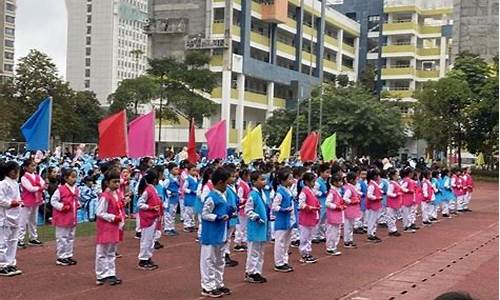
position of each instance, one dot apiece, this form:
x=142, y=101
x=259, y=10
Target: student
x=214, y=217
x=202, y=192
x=240, y=237
x=296, y=188
x=447, y=193
x=189, y=188
x=233, y=202
x=283, y=208
x=408, y=197
x=172, y=186
x=373, y=204
x=417, y=178
x=335, y=207
x=394, y=201
x=150, y=208
x=160, y=189
x=32, y=187
x=361, y=187
x=110, y=220
x=352, y=212
x=10, y=212
x=321, y=188
x=65, y=203
x=438, y=197
x=309, y=208
x=468, y=187
x=88, y=197
x=457, y=186
x=428, y=198
x=256, y=210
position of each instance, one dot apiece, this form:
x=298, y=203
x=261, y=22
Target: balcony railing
x=286, y=48
x=398, y=71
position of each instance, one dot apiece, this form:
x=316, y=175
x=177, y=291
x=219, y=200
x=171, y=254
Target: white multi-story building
x=106, y=44
x=8, y=13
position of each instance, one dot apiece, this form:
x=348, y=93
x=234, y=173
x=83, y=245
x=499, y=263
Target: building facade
x=7, y=32
x=106, y=44
x=475, y=27
x=267, y=54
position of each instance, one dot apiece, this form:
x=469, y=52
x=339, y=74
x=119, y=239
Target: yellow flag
x=286, y=146
x=251, y=145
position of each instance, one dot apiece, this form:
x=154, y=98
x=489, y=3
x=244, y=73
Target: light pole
x=162, y=86
x=297, y=118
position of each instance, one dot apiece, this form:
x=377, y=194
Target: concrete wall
x=475, y=27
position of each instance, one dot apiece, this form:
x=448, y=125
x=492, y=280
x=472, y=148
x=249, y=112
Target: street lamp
x=162, y=86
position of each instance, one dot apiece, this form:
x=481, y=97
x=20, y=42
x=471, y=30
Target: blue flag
x=36, y=130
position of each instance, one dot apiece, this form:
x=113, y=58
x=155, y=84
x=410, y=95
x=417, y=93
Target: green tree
x=367, y=78
x=133, y=92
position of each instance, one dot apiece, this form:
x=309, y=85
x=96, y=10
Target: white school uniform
x=9, y=222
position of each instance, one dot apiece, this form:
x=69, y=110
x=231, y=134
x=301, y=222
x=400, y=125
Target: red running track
x=372, y=271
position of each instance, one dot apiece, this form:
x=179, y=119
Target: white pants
x=466, y=201
x=241, y=230
x=199, y=225
x=170, y=217
x=227, y=245
x=406, y=213
x=371, y=220
x=413, y=214
x=332, y=236
x=348, y=229
x=382, y=217
x=391, y=217
x=65, y=241
x=306, y=236
x=320, y=229
x=427, y=209
x=460, y=202
x=434, y=212
x=445, y=208
x=255, y=258
x=8, y=245
x=137, y=223
x=29, y=215
x=188, y=217
x=281, y=244
x=212, y=267
x=147, y=242
x=157, y=235
x=295, y=234
x=105, y=256
x=452, y=205
x=181, y=207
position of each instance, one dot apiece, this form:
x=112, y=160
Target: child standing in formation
x=32, y=187
x=408, y=189
x=233, y=202
x=309, y=208
x=190, y=187
x=428, y=198
x=110, y=220
x=10, y=211
x=214, y=215
x=352, y=197
x=172, y=186
x=468, y=187
x=458, y=189
x=394, y=201
x=373, y=204
x=65, y=202
x=241, y=228
x=321, y=188
x=447, y=193
x=335, y=207
x=283, y=208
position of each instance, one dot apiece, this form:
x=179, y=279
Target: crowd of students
x=226, y=206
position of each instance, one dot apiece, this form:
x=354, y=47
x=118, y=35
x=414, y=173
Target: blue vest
x=364, y=190
x=385, y=187
x=213, y=232
x=438, y=196
x=282, y=221
x=173, y=188
x=257, y=232
x=192, y=185
x=233, y=202
x=322, y=198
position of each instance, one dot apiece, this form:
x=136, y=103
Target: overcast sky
x=41, y=24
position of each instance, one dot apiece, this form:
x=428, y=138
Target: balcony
x=279, y=102
x=291, y=23
x=331, y=40
x=398, y=71
x=398, y=49
x=259, y=39
x=348, y=48
x=216, y=93
x=329, y=64
x=216, y=61
x=275, y=11
x=256, y=7
x=288, y=49
x=428, y=51
x=308, y=31
x=255, y=97
x=347, y=68
x=429, y=29
x=306, y=56
x=399, y=93
x=427, y=73
x=399, y=26
x=218, y=28
x=236, y=30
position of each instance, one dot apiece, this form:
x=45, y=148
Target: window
x=89, y=19
x=9, y=55
x=373, y=23
x=9, y=43
x=87, y=62
x=87, y=83
x=89, y=8
x=8, y=67
x=87, y=40
x=10, y=7
x=87, y=51
x=10, y=19
x=9, y=31
x=87, y=72
x=89, y=29
x=233, y=124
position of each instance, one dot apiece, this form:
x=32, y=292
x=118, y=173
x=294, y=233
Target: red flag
x=113, y=136
x=308, y=149
x=192, y=155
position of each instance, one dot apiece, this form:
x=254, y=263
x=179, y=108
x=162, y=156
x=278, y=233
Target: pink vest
x=66, y=218
x=336, y=216
x=458, y=189
x=409, y=197
x=377, y=192
x=149, y=216
x=469, y=182
x=395, y=202
x=427, y=185
x=309, y=218
x=352, y=210
x=419, y=196
x=32, y=199
x=109, y=232
x=246, y=192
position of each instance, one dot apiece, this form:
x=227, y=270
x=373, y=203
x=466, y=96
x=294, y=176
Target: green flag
x=328, y=148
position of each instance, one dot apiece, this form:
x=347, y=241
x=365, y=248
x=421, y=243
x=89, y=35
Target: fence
x=65, y=147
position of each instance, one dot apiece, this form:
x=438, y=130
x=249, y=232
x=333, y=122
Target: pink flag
x=216, y=140
x=141, y=141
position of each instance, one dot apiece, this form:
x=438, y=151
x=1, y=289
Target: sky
x=41, y=24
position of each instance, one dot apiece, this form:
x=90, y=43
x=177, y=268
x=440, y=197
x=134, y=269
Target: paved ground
x=455, y=254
